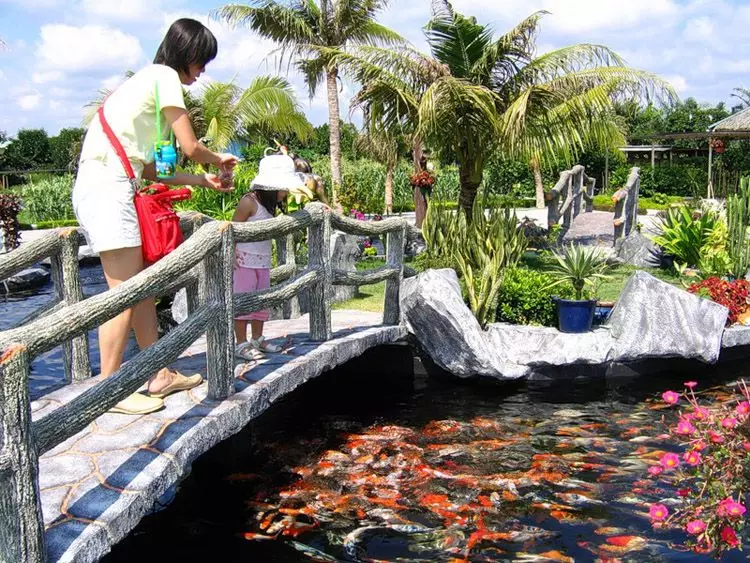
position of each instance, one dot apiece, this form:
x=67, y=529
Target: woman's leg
x=256, y=329
x=240, y=330
x=118, y=265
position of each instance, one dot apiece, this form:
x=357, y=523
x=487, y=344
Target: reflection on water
x=47, y=370
x=372, y=464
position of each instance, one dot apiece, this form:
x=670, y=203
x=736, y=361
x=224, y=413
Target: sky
x=59, y=53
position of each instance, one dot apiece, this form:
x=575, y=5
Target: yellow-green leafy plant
x=481, y=248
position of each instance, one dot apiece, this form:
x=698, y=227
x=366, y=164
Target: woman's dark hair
x=187, y=42
x=268, y=199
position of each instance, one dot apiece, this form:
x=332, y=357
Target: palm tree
x=475, y=93
x=310, y=33
x=382, y=146
x=223, y=111
x=101, y=95
x=743, y=94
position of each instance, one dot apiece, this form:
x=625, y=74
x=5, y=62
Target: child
x=252, y=270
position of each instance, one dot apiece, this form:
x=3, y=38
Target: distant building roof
x=646, y=148
x=739, y=121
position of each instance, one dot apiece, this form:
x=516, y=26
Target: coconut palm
x=382, y=146
x=223, y=110
x=476, y=93
x=310, y=33
x=743, y=94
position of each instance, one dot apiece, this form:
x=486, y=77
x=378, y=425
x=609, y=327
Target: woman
x=103, y=195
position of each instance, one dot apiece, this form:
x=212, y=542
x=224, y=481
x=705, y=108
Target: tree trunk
x=334, y=132
x=470, y=177
x=389, y=172
x=539, y=183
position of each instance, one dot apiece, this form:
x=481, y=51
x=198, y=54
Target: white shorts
x=103, y=204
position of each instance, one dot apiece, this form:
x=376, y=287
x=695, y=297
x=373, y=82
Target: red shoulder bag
x=157, y=220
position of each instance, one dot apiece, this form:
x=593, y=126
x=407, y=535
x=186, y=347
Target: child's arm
x=246, y=208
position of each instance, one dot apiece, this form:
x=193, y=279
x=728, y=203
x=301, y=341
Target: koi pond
x=371, y=463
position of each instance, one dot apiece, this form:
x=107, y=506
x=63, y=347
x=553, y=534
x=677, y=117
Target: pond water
x=47, y=371
x=373, y=463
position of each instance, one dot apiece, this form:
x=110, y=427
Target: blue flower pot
x=575, y=316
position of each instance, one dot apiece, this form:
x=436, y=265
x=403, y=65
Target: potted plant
x=579, y=266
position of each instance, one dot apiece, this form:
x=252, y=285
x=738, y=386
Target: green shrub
x=526, y=298
x=684, y=180
x=46, y=198
x=692, y=238
x=220, y=205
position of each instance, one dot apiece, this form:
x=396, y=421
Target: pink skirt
x=252, y=279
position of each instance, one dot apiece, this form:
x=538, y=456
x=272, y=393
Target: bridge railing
x=564, y=201
x=626, y=205
x=203, y=264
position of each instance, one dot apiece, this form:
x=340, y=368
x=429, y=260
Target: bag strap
x=116, y=145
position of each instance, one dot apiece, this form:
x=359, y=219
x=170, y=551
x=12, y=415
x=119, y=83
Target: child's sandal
x=263, y=345
x=248, y=351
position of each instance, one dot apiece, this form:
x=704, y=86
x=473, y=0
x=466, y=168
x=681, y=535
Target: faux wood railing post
x=67, y=281
x=394, y=259
x=577, y=193
x=22, y=528
x=632, y=204
x=590, y=187
x=191, y=290
x=286, y=256
x=319, y=244
x=215, y=286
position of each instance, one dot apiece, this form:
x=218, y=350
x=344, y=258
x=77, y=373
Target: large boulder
x=653, y=319
x=344, y=254
x=639, y=251
x=435, y=313
x=544, y=346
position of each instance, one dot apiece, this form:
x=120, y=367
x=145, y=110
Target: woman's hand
x=227, y=162
x=215, y=183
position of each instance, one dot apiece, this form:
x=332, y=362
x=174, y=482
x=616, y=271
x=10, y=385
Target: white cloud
x=34, y=4
x=54, y=105
x=113, y=81
x=87, y=48
x=44, y=77
x=29, y=101
x=60, y=92
x=699, y=30
x=678, y=82
x=127, y=10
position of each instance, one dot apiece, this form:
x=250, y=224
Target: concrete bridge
x=74, y=478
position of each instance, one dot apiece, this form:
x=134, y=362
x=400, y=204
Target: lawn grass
x=369, y=297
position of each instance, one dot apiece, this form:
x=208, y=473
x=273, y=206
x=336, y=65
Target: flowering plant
x=711, y=474
x=356, y=214
x=423, y=180
x=733, y=295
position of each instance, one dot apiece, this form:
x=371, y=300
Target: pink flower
x=683, y=492
x=743, y=409
x=716, y=438
x=658, y=512
x=655, y=470
x=690, y=384
x=729, y=537
x=669, y=461
x=692, y=458
x=695, y=527
x=746, y=446
x=670, y=397
x=730, y=422
x=700, y=413
x=685, y=427
x=699, y=446
x=728, y=507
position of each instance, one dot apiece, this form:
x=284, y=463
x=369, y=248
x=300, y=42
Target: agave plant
x=579, y=266
x=482, y=247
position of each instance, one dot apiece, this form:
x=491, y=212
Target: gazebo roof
x=737, y=122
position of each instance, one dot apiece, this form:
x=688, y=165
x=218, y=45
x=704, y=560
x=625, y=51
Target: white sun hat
x=277, y=172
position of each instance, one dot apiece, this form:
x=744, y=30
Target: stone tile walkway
x=98, y=484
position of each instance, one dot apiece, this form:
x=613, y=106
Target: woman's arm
x=195, y=150
x=181, y=179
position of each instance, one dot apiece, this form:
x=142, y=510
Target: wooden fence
x=203, y=265
x=626, y=205
x=564, y=201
